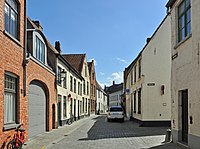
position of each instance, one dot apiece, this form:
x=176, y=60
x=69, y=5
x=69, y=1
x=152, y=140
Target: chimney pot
x=57, y=46
x=37, y=23
x=148, y=39
x=113, y=82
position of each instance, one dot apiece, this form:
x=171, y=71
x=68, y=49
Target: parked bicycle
x=71, y=119
x=18, y=139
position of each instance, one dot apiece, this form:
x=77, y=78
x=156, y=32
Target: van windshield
x=116, y=109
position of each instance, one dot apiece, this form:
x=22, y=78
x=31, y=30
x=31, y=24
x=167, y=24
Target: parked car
x=115, y=113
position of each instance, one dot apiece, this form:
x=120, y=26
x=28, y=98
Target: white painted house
x=185, y=51
x=114, y=93
x=147, y=80
x=69, y=92
x=102, y=103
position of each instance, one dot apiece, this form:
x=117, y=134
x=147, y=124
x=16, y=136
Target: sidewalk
x=46, y=140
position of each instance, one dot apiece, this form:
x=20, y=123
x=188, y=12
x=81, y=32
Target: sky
x=112, y=32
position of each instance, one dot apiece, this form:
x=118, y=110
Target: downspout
x=25, y=50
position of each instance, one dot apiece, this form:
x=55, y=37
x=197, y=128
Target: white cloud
x=121, y=60
x=117, y=77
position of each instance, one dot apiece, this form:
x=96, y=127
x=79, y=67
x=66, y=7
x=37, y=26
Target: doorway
x=184, y=100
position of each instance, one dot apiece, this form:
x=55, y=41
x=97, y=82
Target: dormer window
x=40, y=50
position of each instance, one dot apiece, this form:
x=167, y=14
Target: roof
x=114, y=88
x=98, y=86
x=34, y=26
x=70, y=66
x=76, y=60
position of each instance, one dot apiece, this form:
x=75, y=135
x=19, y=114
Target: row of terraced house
x=161, y=85
x=40, y=87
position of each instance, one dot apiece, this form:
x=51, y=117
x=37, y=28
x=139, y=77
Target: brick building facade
x=92, y=86
x=12, y=96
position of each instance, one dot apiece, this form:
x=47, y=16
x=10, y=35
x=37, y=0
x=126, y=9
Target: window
x=74, y=85
x=85, y=71
x=91, y=90
x=40, y=50
x=184, y=20
x=134, y=108
x=12, y=18
x=131, y=77
x=84, y=87
x=139, y=69
x=64, y=106
x=65, y=81
x=139, y=101
x=59, y=76
x=94, y=91
x=10, y=99
x=87, y=88
x=79, y=87
x=135, y=74
x=81, y=90
x=83, y=104
x=86, y=105
x=71, y=81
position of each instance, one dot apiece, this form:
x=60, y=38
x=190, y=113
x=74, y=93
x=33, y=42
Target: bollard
x=168, y=135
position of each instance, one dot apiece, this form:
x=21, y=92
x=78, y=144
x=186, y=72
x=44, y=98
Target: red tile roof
x=76, y=60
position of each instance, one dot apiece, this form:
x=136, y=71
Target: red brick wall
x=93, y=95
x=37, y=72
x=11, y=59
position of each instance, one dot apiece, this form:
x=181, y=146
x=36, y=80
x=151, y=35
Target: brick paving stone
x=96, y=133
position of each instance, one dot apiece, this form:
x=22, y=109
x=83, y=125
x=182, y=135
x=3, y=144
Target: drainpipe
x=25, y=51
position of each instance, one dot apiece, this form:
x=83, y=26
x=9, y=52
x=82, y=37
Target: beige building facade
x=69, y=92
x=185, y=71
x=147, y=80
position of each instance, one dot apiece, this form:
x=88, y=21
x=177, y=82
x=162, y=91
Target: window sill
x=182, y=41
x=10, y=126
x=12, y=38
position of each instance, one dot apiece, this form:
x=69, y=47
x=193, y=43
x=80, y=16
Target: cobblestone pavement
x=96, y=133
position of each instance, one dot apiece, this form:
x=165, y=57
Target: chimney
x=57, y=46
x=37, y=23
x=113, y=82
x=92, y=61
x=148, y=40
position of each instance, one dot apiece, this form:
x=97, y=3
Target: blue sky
x=112, y=32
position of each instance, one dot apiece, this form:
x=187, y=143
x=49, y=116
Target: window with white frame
x=40, y=50
x=10, y=99
x=11, y=12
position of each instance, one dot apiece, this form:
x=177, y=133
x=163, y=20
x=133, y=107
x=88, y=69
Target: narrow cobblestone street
x=96, y=133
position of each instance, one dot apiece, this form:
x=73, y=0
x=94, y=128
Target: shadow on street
x=103, y=129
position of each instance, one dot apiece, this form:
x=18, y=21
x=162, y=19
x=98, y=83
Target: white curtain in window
x=9, y=108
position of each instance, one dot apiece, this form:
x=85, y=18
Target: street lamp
x=63, y=75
